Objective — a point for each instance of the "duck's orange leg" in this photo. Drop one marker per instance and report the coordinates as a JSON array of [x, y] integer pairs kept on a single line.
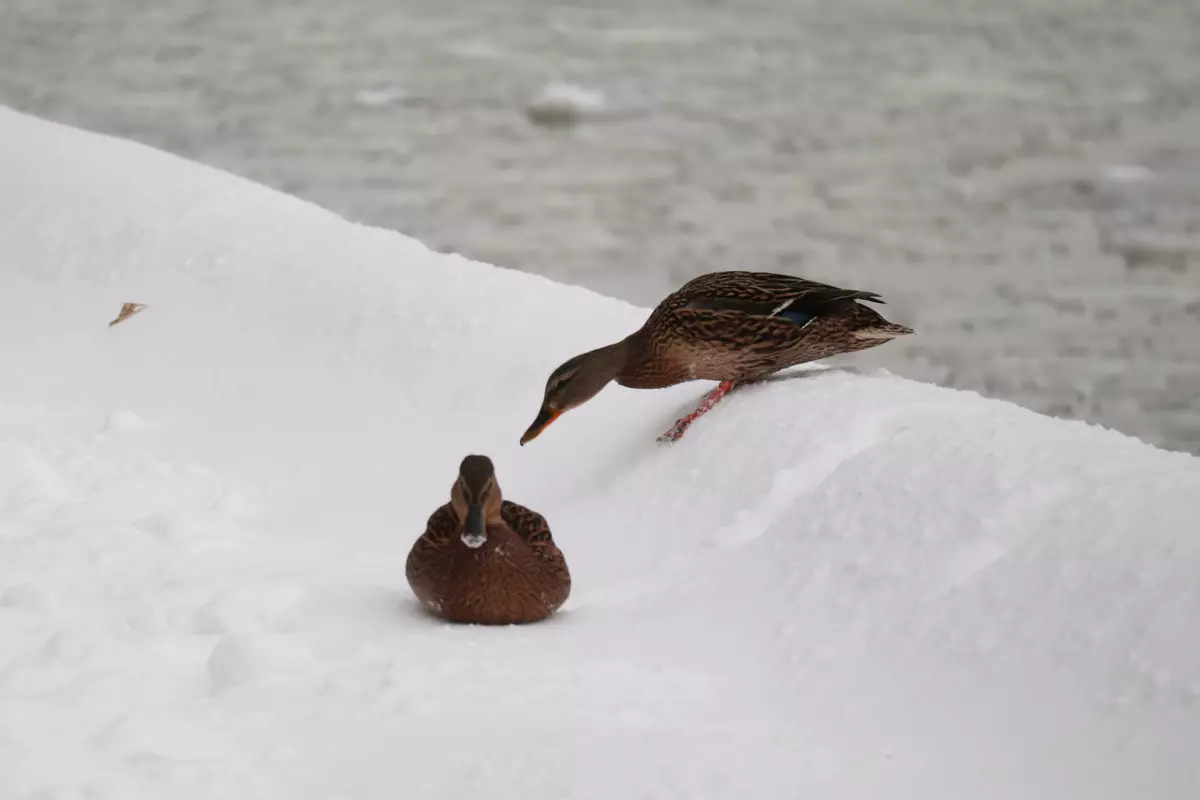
[[711, 399]]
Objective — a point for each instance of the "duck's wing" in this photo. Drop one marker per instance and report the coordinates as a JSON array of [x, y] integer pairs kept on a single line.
[[532, 528], [439, 533], [765, 294]]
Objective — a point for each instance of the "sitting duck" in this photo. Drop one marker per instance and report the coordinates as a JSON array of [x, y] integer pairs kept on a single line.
[[731, 327], [485, 560]]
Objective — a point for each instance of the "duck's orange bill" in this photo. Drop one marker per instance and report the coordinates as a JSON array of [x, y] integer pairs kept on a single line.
[[544, 418]]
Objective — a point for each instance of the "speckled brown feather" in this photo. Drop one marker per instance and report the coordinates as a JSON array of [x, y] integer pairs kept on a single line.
[[722, 326], [518, 575]]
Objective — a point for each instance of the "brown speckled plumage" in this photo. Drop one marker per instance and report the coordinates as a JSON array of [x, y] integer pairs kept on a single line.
[[723, 326], [517, 575]]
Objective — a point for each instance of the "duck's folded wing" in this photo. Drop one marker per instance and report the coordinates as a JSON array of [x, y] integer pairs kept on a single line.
[[531, 527], [767, 294], [439, 531]]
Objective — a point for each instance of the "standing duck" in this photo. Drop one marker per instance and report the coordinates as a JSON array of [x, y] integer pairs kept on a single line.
[[730, 327], [485, 560]]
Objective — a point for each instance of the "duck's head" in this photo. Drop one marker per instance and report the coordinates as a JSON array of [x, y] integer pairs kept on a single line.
[[574, 383], [476, 499]]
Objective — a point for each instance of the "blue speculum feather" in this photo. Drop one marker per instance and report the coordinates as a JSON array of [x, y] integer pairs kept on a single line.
[[796, 315]]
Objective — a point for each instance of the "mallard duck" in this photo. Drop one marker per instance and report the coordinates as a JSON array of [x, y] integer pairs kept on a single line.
[[731, 327], [485, 560]]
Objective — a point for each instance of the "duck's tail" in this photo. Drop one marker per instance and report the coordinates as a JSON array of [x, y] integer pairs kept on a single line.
[[888, 330], [869, 325]]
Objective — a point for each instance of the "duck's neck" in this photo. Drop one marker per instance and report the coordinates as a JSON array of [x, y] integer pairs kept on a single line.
[[636, 361], [608, 362]]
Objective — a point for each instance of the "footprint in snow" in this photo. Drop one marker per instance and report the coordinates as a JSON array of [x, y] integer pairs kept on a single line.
[[240, 660], [124, 422], [254, 609]]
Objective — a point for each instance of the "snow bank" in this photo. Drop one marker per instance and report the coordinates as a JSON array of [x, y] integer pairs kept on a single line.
[[838, 586]]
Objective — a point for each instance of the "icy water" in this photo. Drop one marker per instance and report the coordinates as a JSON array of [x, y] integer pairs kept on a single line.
[[1021, 180]]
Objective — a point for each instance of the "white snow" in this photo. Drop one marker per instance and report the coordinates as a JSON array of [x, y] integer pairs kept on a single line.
[[837, 586], [561, 103]]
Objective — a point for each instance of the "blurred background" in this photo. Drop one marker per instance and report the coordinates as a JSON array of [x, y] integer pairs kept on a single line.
[[1019, 179]]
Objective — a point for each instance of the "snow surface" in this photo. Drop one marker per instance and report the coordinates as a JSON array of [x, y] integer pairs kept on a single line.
[[838, 586]]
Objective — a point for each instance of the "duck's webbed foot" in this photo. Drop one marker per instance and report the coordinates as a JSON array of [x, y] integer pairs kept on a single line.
[[711, 399]]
